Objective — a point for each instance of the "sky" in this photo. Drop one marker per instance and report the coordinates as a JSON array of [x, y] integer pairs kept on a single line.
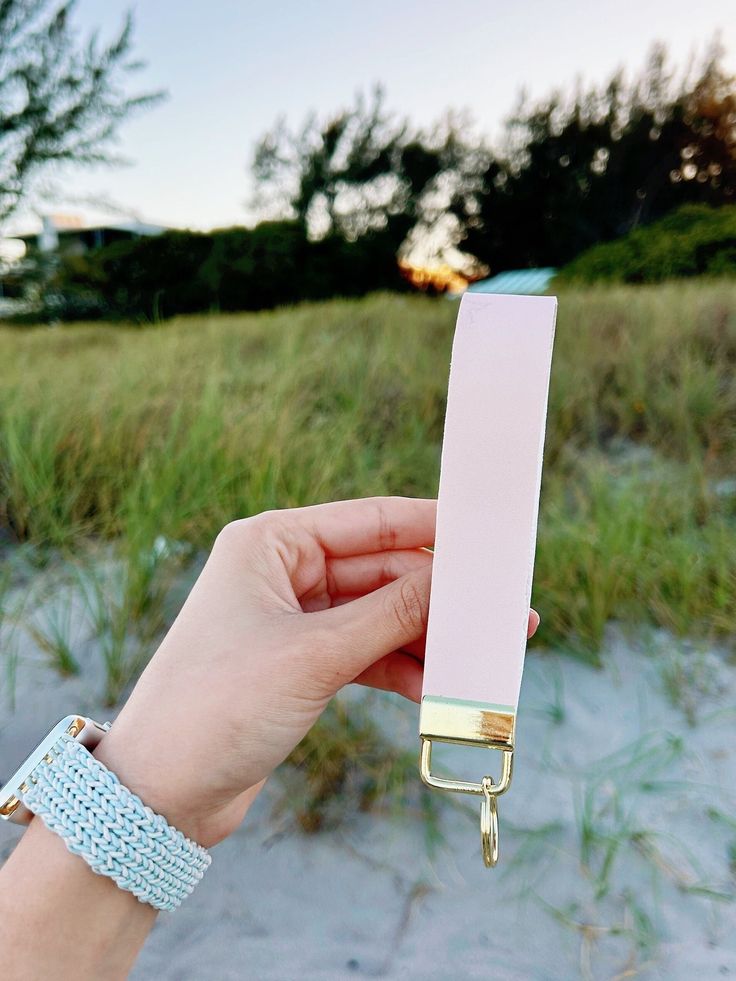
[[231, 68]]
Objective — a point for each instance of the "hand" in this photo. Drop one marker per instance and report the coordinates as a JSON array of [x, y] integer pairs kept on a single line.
[[290, 607]]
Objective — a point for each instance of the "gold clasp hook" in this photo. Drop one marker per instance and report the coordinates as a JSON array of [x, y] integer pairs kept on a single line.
[[489, 824], [447, 720], [487, 789]]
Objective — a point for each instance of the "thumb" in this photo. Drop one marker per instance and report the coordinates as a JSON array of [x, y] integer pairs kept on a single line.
[[374, 625]]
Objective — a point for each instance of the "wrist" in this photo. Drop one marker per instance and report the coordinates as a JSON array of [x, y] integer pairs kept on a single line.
[[167, 780], [136, 766]]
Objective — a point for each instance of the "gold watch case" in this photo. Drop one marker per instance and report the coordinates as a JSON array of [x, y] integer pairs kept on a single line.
[[78, 727]]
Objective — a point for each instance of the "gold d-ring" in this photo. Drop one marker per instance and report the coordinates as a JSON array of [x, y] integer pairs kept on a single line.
[[489, 824]]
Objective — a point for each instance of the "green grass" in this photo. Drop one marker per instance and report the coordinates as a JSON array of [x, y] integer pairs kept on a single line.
[[153, 438], [344, 764], [622, 867], [133, 434]]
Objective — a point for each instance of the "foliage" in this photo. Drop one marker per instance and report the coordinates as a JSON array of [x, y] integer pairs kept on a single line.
[[133, 434], [589, 167], [346, 763], [349, 195], [574, 169], [362, 172], [61, 101], [149, 277], [691, 241], [232, 269]]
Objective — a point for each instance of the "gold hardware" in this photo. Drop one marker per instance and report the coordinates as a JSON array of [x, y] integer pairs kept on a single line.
[[76, 727], [10, 806], [488, 824], [468, 723], [77, 723], [464, 723], [465, 786]]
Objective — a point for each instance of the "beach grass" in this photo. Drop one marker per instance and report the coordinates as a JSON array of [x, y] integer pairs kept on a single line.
[[124, 450], [166, 433]]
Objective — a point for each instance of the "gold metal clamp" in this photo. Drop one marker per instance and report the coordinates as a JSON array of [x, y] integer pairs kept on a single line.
[[466, 723]]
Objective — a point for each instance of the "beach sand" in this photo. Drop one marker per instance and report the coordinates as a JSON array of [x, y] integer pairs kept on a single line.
[[618, 838]]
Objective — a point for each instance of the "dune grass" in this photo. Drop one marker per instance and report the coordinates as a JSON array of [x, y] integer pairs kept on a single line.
[[166, 433], [153, 438]]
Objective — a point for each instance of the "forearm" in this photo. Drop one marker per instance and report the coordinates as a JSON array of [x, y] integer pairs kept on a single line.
[[81, 924], [289, 608]]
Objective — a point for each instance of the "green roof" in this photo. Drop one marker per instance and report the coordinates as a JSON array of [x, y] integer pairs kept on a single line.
[[526, 281]]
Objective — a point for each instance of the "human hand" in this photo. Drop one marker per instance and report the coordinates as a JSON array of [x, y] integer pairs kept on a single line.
[[291, 606]]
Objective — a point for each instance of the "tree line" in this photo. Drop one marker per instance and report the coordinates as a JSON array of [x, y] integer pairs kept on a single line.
[[343, 198], [573, 169]]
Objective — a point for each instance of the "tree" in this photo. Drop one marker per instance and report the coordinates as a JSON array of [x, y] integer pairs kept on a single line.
[[61, 100], [580, 170], [362, 173]]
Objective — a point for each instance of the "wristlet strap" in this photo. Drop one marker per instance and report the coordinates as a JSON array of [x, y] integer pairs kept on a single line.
[[486, 532], [103, 822]]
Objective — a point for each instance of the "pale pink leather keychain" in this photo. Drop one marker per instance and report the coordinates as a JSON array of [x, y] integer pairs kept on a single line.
[[487, 510]]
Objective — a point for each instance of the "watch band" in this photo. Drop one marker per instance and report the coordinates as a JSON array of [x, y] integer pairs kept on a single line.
[[79, 727], [103, 822], [486, 532]]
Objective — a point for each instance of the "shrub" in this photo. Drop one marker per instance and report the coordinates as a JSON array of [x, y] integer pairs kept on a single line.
[[691, 241], [144, 278], [230, 269]]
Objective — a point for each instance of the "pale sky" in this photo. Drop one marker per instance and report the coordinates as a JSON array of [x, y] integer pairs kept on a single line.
[[231, 68]]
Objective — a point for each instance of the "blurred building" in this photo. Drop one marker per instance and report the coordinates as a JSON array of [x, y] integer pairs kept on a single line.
[[59, 235], [67, 235]]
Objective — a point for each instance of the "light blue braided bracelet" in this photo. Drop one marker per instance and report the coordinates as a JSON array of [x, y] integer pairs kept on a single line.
[[111, 828]]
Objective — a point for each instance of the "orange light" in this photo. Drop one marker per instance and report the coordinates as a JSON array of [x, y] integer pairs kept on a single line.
[[444, 278]]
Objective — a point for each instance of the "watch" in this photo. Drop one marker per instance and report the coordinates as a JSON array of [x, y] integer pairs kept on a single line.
[[81, 729], [99, 819]]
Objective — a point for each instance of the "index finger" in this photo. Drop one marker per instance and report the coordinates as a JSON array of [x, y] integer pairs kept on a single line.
[[370, 524]]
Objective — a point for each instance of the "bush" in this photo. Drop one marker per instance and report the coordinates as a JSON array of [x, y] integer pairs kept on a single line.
[[231, 269], [255, 269], [693, 240], [144, 278]]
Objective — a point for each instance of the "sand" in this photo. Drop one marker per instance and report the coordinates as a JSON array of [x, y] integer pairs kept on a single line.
[[634, 764]]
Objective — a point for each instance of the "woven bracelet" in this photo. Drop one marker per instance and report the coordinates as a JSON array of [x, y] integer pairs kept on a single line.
[[111, 828]]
